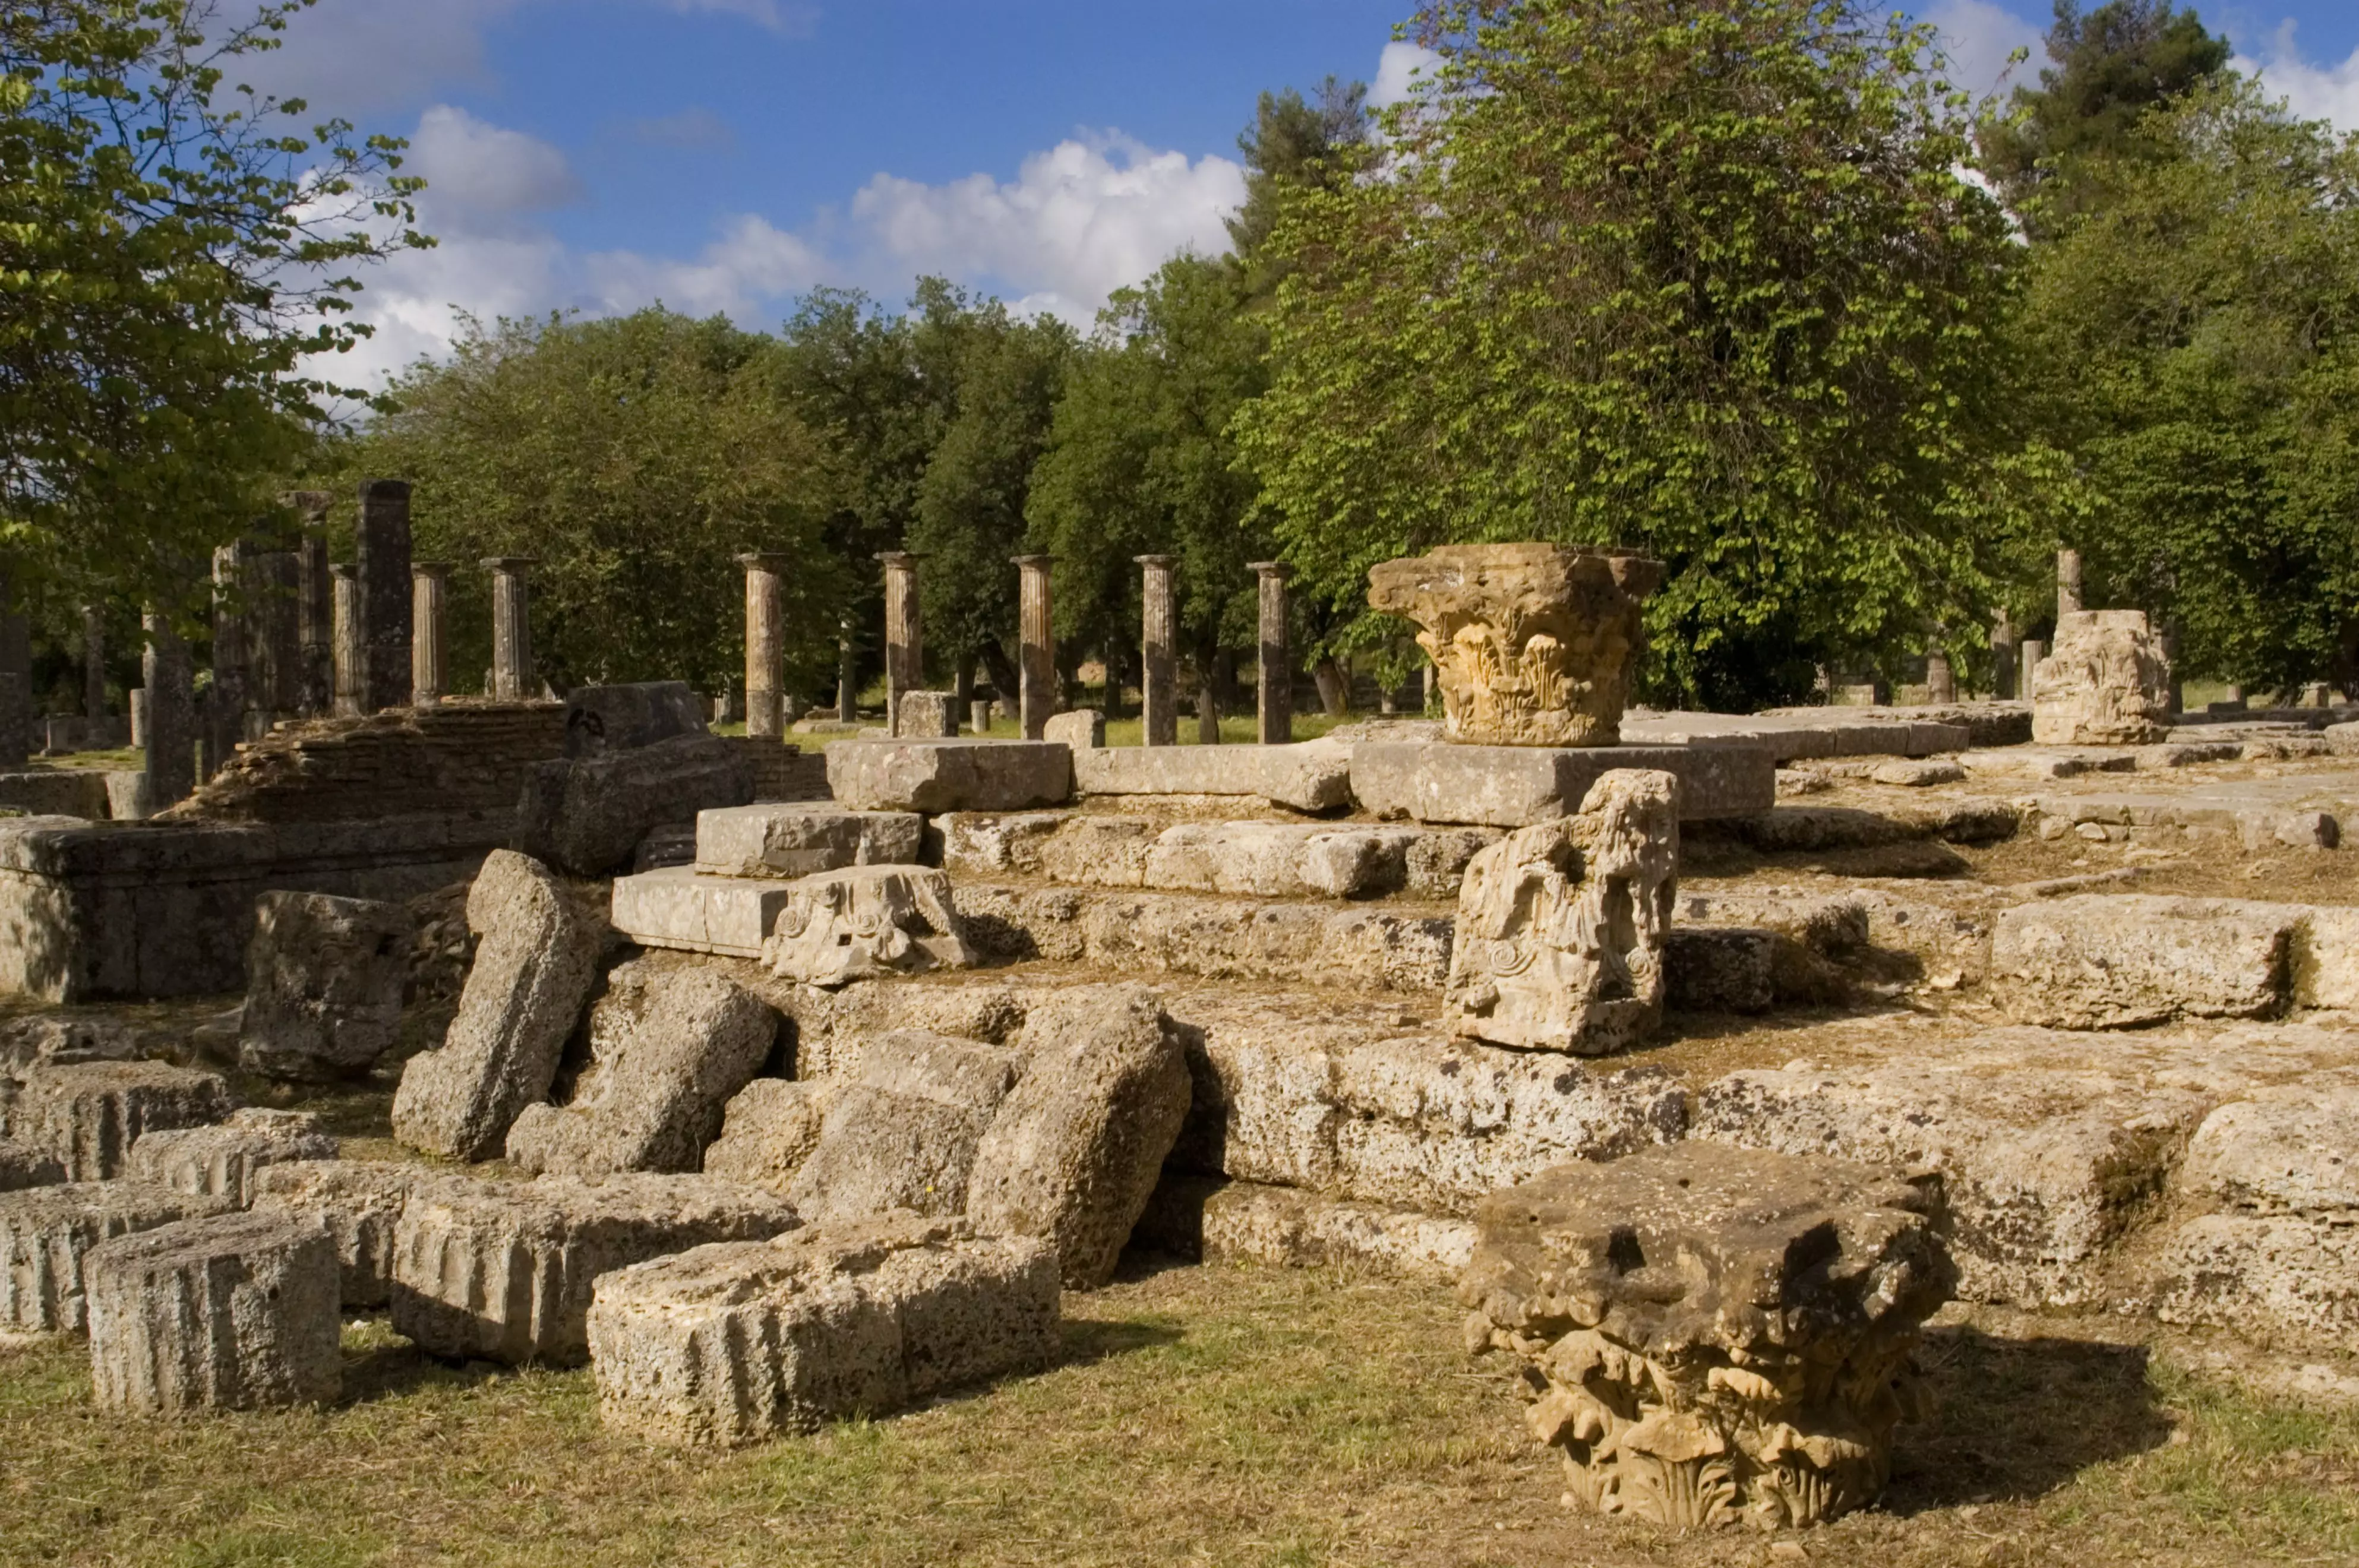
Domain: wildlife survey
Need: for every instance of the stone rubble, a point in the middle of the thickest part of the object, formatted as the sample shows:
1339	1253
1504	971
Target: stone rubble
904	1132
47	1232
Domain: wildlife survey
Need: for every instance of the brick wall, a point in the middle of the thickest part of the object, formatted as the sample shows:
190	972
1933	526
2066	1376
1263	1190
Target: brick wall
462	756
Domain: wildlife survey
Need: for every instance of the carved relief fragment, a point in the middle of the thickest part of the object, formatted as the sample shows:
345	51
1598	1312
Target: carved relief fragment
864	921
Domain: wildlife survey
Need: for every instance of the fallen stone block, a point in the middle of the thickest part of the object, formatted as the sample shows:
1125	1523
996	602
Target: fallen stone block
524	994
833	1030
868	920
227	1160
1212	1219
1517	786
1918	774
904	1133
600	720
656	1100
926	716
88	1115
691	910
503	1271
2289	1149
325	979
729	1345
770	1128
1694	1370
2283	1281
234	1311
47	1232
1082	728
585	817
1720	969
804	839
2119	961
1307	776
934	776
359	1202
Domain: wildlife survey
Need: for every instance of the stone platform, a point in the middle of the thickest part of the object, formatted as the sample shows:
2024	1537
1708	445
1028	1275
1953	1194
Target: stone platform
1515	787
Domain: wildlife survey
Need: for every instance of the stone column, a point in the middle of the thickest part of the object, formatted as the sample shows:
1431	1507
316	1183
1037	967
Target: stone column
274	637
511	628
430	617
315	613
171	719
2175	687
224	716
765	634
137	703
847	675
382	560
2002	681
1036	664
1941	681
1275	678
905	633
1159	679
2068	581
2033	650
93	661
346	654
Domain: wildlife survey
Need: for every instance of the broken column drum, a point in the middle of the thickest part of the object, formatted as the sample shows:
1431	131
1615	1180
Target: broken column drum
348	653
1534	644
429	675
1158	654
765	643
2106	683
2002	651
1036	655
905	634
314	603
381	558
1276	680
171	726
511	628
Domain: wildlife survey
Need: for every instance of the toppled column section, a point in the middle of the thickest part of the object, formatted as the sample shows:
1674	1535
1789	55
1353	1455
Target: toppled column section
46	1235
1713	1335
904	1133
1561	926
359	1202
2106	683
87	1115
1534	644
227	1161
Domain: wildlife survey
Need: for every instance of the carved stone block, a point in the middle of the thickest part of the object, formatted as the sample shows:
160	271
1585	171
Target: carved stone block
867	921
2106	683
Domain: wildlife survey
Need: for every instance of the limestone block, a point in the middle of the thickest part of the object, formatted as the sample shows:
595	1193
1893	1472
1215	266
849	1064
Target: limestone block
684	908
1435	866
1533	644
984	843
47	1232
525	992
1713	1335
834	1029
604	718
934	776
802	839
656	1099
359	1202
904	1133
227	1161
23	1165
2292	1149
1722	968
1097	851
1079	728
88	1115
1560	926
2105	682
729	1345
1516	787
928	716
1209	1218
234	1311
325	979
585	817
503	1271
1279	860
2123	961
769	1130
2279	1280
866	921
2326	958
1308	776
1076	1148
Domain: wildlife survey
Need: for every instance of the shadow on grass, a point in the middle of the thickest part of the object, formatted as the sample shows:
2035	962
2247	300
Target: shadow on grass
1089	1341
2014	1420
392	1368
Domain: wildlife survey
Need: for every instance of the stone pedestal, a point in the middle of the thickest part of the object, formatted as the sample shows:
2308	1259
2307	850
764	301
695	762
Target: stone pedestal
1037	656
1160	657
905	634
1275	679
2105	684
1534	644
928	716
314	604
429	674
349	655
765	644
169	734
137	703
2026	664
979	716
847	679
1713	1335
381	559
512	677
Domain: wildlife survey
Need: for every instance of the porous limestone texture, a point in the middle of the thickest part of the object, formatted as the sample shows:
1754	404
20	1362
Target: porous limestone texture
729	1345
656	1100
2122	960
87	1115
1560	926
23	1165
585	817
769	1130
868	920
1076	1148
531	975
359	1202
503	1271
804	839
1713	1335
1209	1218
227	1160
904	1132
1263	859
1308	776
1533	644
1516	787
934	776
47	1232
833	1029
927	715
1719	969
1080	729
2105	682
234	1311
684	908
324	982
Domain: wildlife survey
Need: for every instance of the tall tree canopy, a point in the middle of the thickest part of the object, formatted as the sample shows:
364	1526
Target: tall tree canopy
1695	277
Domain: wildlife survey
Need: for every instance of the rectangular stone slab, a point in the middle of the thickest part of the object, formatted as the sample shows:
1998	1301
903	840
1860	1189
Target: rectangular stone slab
803	840
949	775
684	908
1515	787
1312	776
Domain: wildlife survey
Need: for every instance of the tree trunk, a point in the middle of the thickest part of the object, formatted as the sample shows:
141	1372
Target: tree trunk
1005	685
1334	687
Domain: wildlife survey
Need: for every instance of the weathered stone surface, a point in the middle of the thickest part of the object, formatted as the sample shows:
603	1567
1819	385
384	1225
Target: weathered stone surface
769	1130
88	1115
604	718
867	921
1560	926
1077	1147
1713	1335
1719	969
585	817
834	1029
1516	787
1079	728
804	839
928	715
531	975
732	1344
359	1202
47	1232
227	1161
2121	960
503	1271
236	1311
683	908
1265	860
22	1165
1308	776
324	984
904	1133
658	1099
949	775
1210	1219
2106	681
1534	644
2291	1149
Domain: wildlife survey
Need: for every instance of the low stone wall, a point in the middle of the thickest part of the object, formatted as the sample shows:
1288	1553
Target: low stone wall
458	757
57	792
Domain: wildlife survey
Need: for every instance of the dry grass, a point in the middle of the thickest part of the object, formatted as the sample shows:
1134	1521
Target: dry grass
1214	1415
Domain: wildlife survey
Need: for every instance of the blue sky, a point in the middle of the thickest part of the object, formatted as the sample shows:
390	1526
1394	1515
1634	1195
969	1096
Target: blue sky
727	155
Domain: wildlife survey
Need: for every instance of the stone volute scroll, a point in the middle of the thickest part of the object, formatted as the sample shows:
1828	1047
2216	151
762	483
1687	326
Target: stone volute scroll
1534	644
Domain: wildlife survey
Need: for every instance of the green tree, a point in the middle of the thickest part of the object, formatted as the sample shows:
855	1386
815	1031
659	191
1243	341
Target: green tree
1698	279
1295	141
634	459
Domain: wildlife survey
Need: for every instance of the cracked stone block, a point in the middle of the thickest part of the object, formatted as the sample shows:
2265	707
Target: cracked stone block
694	911
904	1132
359	1202
934	776
770	1129
227	1160
47	1232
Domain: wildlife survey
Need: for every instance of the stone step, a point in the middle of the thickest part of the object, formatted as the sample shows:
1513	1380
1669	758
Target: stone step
1260	858
1311	776
684	908
801	840
1515	787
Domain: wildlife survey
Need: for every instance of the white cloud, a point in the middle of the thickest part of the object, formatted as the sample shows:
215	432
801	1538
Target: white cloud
358	56
2328	93
789	20
1979	37
1396	72
480	172
751	264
